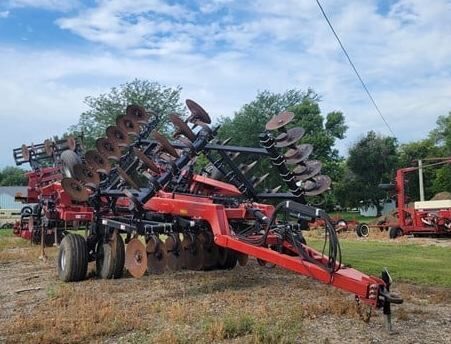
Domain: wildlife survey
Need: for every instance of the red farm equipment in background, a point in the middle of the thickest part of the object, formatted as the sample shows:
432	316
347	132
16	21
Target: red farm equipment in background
49	210
425	217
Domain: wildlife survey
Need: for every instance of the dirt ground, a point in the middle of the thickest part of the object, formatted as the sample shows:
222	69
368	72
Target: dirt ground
249	304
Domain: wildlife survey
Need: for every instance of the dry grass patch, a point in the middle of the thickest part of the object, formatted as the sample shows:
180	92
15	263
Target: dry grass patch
73	316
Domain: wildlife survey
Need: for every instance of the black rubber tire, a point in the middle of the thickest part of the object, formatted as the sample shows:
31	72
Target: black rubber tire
68	160
118	269
26	211
395	232
110	264
72	258
363	230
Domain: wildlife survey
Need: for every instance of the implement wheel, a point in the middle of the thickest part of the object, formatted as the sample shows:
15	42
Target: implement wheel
72	258
363	230
395	232
110	258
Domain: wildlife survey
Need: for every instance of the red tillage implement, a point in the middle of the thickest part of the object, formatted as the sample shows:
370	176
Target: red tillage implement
140	184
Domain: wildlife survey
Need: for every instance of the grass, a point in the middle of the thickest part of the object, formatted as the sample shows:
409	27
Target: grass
6	233
421	264
352	217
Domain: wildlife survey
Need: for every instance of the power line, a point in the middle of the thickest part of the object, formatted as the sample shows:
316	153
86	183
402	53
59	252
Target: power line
354	68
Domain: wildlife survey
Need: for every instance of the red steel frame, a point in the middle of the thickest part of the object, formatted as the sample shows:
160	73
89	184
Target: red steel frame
409	219
218	216
45	184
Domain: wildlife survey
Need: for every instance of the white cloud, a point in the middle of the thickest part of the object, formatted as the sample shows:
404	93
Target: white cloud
56	5
4	14
126	23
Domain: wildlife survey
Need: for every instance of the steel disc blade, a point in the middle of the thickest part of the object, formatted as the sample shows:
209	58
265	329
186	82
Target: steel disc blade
192	253
108	148
174	252
165	144
313	167
86	175
182	127
279	121
299	170
75	189
117	135
222	256
289	138
127	178
136	258
25	152
301	153
146	160
172	242
156	256
210	250
130	126
197	112
242	259
48	147
138	113
71	143
320	185
97	162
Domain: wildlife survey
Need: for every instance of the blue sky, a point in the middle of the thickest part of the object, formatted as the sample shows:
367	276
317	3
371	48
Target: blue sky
53	53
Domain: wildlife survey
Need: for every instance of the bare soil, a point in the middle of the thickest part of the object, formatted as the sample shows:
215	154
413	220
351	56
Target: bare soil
249	304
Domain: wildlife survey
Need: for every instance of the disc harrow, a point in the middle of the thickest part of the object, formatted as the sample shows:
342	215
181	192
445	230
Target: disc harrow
140	185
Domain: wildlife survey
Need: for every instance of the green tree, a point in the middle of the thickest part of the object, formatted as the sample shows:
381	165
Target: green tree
409	154
442	134
321	132
103	109
11	176
372	160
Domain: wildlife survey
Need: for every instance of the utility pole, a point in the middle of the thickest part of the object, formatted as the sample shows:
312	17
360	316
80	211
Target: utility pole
420	178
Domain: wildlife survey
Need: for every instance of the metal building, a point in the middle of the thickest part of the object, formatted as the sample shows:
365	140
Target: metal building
7	194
